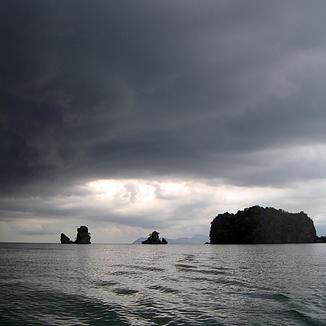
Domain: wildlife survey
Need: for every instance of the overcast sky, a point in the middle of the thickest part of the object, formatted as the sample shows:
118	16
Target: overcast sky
129	116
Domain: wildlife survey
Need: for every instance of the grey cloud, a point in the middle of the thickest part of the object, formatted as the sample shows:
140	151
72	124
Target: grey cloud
104	89
54	210
37	231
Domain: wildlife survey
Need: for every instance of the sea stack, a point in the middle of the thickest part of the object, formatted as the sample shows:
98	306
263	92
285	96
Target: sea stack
262	225
154	239
83	237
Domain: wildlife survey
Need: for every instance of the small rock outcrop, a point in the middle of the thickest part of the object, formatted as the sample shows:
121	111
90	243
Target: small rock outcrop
64	239
83	237
154	239
262	225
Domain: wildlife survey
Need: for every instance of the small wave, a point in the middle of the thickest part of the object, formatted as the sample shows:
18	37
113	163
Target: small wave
147	268
105	283
125	291
120	273
279	297
213	272
186	268
302	317
221	268
192	268
142	268
189	258
227	281
199	279
163	289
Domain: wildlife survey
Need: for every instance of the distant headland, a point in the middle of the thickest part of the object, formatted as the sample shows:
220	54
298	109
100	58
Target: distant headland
83	237
257	224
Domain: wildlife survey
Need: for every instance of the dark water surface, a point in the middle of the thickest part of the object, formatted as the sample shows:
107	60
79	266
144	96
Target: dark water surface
53	284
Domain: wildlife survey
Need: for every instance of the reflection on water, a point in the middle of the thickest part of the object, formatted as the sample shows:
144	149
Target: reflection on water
162	285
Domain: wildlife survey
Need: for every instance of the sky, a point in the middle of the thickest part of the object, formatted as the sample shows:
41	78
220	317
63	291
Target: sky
129	116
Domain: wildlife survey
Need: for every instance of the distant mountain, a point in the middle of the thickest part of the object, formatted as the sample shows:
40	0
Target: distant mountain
139	240
196	239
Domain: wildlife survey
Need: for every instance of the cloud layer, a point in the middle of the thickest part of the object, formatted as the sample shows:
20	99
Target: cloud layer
221	94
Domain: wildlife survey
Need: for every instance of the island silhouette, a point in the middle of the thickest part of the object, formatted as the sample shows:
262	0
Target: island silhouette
257	224
83	237
253	225
154	239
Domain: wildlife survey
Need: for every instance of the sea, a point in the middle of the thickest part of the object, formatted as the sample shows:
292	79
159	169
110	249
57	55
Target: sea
110	284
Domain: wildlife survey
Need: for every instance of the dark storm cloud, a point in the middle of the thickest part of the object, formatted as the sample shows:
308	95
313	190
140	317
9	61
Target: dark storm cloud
147	88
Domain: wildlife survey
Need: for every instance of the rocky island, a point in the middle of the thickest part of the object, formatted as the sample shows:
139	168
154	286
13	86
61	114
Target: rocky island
154	239
262	225
83	237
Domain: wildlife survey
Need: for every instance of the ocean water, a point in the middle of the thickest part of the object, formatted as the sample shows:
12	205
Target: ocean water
53	284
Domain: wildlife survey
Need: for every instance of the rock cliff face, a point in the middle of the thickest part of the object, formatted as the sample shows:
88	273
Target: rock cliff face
262	225
321	239
154	239
83	237
64	239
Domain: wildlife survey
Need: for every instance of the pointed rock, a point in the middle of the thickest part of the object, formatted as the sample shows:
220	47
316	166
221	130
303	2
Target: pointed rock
154	239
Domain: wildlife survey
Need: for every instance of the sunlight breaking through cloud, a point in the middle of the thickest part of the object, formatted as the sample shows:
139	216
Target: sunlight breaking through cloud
133	207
